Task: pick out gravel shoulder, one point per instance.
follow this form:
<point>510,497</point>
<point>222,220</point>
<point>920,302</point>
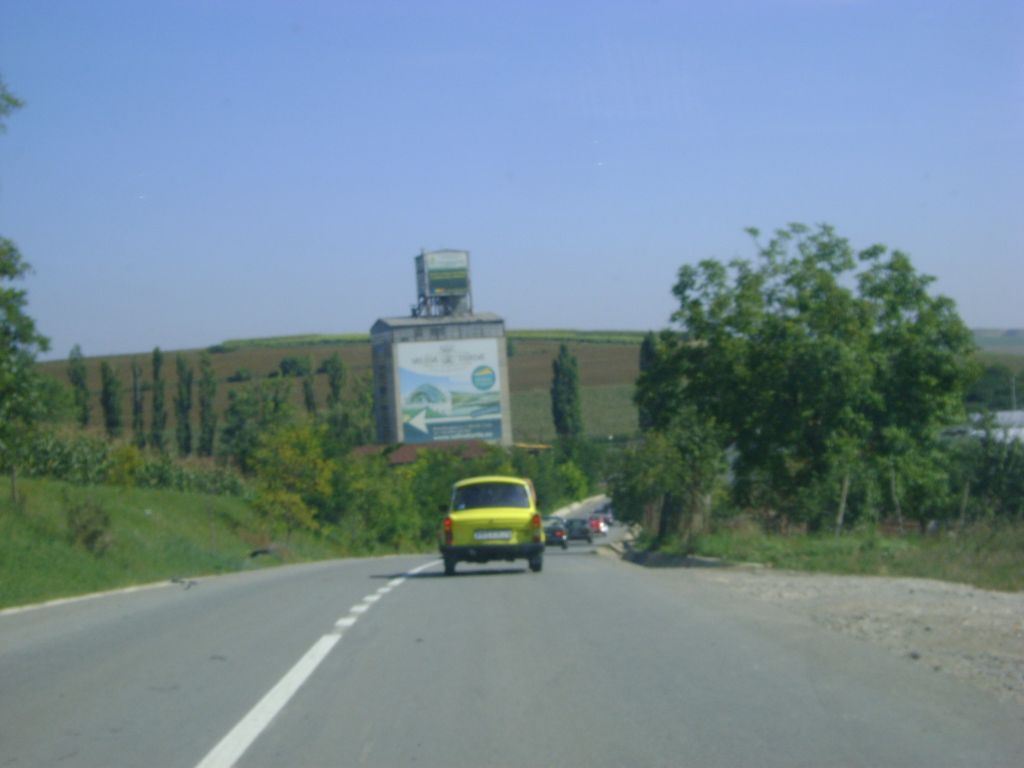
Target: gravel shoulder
<point>973,634</point>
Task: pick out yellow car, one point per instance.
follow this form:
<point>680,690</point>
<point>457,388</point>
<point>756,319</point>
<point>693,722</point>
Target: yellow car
<point>492,518</point>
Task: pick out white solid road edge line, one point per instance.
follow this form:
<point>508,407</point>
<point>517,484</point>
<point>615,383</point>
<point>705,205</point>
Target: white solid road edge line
<point>231,748</point>
<point>83,598</point>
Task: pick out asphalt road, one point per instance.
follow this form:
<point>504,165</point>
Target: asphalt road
<point>592,662</point>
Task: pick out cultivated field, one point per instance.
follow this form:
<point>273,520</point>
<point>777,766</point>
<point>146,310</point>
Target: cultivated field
<point>608,365</point>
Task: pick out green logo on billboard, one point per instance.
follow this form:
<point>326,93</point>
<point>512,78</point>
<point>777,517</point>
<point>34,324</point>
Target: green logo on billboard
<point>483,377</point>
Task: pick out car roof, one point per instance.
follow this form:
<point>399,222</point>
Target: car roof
<point>492,479</point>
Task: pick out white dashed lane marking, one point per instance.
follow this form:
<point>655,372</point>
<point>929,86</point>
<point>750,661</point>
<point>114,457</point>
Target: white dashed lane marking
<point>231,748</point>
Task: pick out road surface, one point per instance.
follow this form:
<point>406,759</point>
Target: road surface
<point>386,662</point>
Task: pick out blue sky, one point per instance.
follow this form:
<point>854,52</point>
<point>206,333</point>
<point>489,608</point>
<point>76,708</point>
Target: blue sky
<point>187,172</point>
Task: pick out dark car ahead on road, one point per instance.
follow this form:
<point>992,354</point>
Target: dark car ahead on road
<point>577,529</point>
<point>555,533</point>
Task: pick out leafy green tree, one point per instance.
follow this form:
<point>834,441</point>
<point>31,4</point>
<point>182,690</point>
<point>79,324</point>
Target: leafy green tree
<point>207,413</point>
<point>183,406</point>
<point>808,366</point>
<point>8,103</point>
<point>294,476</point>
<point>995,389</point>
<point>565,395</point>
<point>22,394</point>
<point>138,407</point>
<point>335,370</point>
<point>352,424</point>
<point>669,480</point>
<point>158,417</point>
<point>110,400</point>
<point>994,484</point>
<point>252,411</point>
<point>295,366</point>
<point>78,377</point>
<point>374,505</point>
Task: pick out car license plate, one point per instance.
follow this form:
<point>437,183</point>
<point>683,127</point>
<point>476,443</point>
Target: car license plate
<point>492,535</point>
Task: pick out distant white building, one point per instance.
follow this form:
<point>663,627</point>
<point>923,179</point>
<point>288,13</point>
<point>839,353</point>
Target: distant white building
<point>1007,425</point>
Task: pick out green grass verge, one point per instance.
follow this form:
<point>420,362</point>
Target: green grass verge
<point>990,557</point>
<point>152,535</point>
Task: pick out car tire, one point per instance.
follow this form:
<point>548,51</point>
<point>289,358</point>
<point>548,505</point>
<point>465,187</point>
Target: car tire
<point>536,563</point>
<point>449,566</point>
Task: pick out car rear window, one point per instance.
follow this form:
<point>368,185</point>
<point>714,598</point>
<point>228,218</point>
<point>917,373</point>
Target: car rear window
<point>491,495</point>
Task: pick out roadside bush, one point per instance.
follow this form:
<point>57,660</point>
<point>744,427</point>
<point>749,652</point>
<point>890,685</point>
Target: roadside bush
<point>79,459</point>
<point>88,525</point>
<point>125,464</point>
<point>84,460</point>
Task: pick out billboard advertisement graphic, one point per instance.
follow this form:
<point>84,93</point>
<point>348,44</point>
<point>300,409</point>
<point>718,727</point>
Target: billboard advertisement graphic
<point>449,390</point>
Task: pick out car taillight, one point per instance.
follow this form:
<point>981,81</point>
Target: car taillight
<point>535,522</point>
<point>448,530</point>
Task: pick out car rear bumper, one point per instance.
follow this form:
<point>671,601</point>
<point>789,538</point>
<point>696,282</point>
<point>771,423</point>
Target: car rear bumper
<point>482,553</point>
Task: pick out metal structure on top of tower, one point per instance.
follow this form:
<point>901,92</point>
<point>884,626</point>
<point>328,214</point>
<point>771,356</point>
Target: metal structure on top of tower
<point>443,287</point>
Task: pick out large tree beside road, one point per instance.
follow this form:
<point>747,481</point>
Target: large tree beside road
<point>825,369</point>
<point>21,390</point>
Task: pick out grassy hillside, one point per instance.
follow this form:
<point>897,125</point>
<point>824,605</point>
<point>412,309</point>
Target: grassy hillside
<point>151,536</point>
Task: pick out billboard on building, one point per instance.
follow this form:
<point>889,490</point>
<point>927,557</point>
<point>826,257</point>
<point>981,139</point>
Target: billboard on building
<point>449,390</point>
<point>443,273</point>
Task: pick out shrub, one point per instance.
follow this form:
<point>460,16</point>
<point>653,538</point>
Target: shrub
<point>295,366</point>
<point>78,459</point>
<point>126,463</point>
<point>89,525</point>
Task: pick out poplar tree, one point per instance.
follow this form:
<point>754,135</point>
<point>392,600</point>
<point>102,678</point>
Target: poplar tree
<point>158,422</point>
<point>183,407</point>
<point>207,414</point>
<point>565,395</point>
<point>110,399</point>
<point>78,376</point>
<point>309,392</point>
<point>138,425</point>
<point>335,370</point>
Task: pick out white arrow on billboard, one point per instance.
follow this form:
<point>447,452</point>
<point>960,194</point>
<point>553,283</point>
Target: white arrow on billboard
<point>419,421</point>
